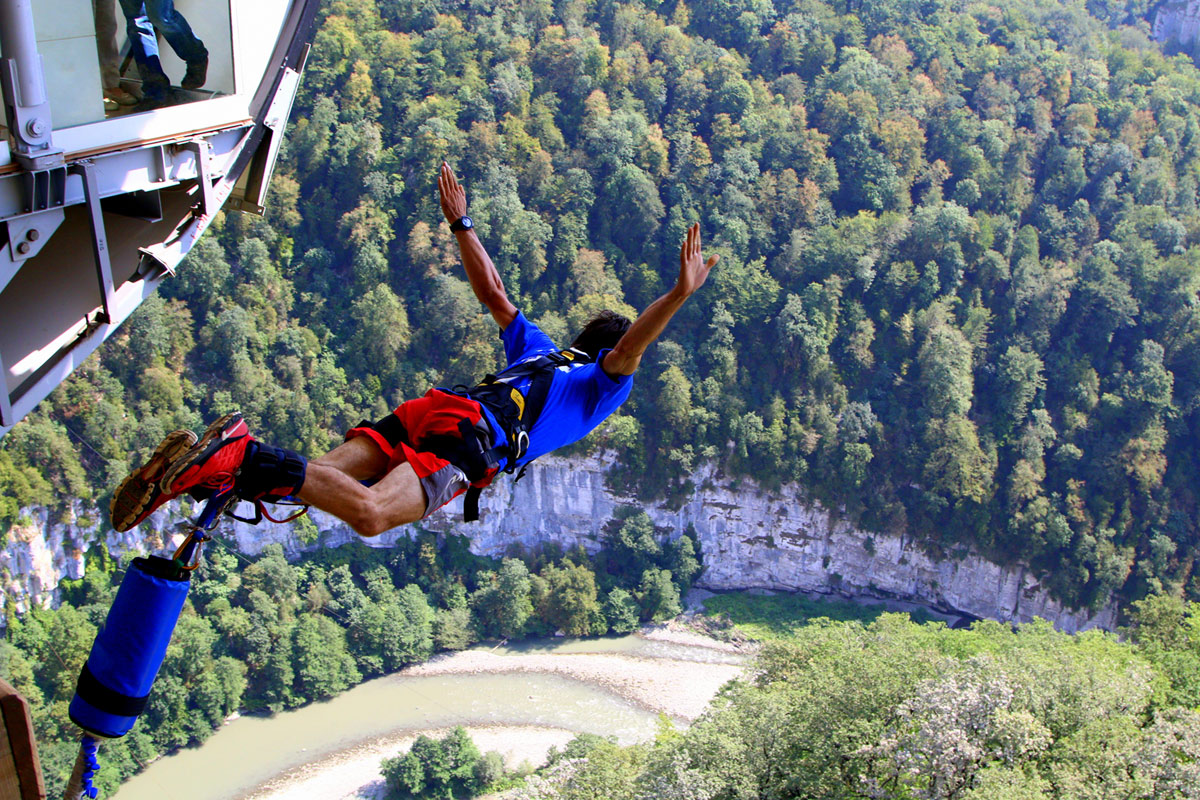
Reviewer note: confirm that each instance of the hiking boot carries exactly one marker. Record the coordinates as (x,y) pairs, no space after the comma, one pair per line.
(139,494)
(196,75)
(213,462)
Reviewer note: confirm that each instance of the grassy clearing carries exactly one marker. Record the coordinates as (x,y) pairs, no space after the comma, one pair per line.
(779,616)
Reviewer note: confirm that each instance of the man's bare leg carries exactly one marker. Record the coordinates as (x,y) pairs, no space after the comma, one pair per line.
(332,484)
(360,458)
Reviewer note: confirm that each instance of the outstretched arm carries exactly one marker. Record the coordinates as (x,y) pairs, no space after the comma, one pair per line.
(693,271)
(481,272)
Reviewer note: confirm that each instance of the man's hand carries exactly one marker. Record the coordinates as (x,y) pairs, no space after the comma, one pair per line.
(481,272)
(454,197)
(693,269)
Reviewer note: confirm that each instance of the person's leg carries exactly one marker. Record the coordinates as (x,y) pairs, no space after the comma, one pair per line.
(143,46)
(104,13)
(397,499)
(227,457)
(176,30)
(360,458)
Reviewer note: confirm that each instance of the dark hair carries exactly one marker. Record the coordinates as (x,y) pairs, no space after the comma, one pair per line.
(601,333)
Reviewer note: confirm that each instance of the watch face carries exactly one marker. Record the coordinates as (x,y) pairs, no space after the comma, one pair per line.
(467,223)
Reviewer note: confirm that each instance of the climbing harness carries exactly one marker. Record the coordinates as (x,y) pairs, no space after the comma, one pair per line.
(517,413)
(473,451)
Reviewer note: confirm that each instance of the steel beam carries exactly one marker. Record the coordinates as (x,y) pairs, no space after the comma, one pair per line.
(7,420)
(91,198)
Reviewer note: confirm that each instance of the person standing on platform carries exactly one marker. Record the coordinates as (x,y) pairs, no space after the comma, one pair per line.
(104,13)
(142,19)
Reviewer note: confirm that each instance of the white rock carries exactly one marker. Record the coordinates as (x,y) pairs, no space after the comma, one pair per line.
(1177,22)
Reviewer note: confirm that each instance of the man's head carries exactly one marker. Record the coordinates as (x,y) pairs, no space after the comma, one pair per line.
(601,333)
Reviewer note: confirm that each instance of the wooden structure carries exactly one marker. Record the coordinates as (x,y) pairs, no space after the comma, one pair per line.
(20,772)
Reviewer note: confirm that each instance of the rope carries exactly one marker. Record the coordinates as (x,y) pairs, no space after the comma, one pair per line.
(84,442)
(88,747)
(80,785)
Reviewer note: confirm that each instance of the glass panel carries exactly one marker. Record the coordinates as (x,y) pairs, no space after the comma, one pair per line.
(66,40)
(106,58)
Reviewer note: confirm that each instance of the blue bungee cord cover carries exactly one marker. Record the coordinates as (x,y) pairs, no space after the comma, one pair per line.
(115,682)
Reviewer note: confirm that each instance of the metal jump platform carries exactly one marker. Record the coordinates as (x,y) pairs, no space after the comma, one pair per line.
(99,201)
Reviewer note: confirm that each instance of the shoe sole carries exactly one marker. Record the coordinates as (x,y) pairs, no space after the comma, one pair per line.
(198,452)
(139,493)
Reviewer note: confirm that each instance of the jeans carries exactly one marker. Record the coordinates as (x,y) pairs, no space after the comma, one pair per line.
(142,17)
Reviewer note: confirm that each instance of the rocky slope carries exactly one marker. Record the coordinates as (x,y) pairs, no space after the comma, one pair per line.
(749,538)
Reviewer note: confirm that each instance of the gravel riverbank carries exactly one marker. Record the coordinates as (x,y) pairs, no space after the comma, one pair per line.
(680,689)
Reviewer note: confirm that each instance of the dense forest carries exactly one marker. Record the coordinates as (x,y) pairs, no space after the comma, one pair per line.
(957,296)
(266,635)
(895,710)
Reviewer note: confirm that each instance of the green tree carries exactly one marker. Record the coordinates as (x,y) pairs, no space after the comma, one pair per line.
(570,603)
(945,360)
(381,332)
(324,667)
(502,606)
(621,610)
(659,596)
(1019,378)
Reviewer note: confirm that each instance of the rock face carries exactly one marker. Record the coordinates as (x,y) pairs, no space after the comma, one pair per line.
(1178,22)
(39,552)
(749,538)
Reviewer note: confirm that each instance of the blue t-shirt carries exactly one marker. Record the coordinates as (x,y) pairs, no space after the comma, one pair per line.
(581,396)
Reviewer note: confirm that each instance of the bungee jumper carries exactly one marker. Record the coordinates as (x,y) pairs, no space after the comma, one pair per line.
(387,473)
(431,449)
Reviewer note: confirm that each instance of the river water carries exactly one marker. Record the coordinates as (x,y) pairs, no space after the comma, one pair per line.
(250,751)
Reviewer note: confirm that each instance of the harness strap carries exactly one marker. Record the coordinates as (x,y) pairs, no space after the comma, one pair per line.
(267,515)
(471,503)
(517,413)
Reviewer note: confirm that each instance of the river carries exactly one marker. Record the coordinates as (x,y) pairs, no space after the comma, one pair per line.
(526,697)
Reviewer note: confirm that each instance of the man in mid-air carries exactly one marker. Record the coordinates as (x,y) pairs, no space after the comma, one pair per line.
(433,448)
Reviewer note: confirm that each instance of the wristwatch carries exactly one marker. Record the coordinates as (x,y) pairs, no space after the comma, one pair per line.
(463,223)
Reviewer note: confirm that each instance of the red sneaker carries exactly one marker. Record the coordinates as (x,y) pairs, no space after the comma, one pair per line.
(213,462)
(139,494)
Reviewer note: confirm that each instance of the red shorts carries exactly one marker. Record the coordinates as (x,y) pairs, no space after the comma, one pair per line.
(437,413)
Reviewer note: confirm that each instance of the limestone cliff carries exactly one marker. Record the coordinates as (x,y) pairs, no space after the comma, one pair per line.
(749,538)
(1177,23)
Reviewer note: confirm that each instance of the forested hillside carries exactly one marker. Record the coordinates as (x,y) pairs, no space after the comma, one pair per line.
(894,710)
(958,293)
